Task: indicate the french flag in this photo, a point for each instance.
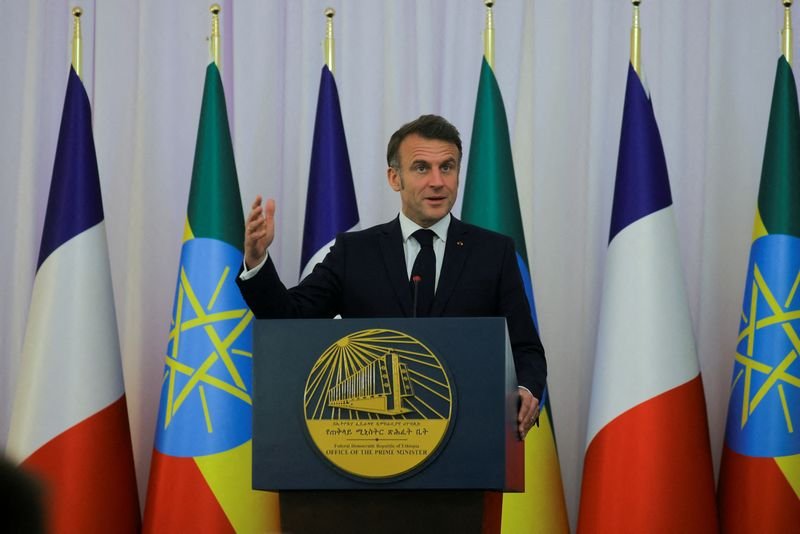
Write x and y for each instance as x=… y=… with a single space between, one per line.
x=69 y=424
x=331 y=199
x=648 y=465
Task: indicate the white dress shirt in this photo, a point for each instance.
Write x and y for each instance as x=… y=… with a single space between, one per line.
x=411 y=247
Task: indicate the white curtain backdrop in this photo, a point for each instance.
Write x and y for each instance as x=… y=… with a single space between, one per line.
x=561 y=66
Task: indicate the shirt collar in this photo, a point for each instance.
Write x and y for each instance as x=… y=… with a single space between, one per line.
x=408 y=227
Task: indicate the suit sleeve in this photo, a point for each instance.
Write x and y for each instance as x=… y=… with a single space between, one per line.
x=529 y=359
x=318 y=296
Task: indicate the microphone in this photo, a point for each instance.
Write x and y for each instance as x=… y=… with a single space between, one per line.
x=415 y=279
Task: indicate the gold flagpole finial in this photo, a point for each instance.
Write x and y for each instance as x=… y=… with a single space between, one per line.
x=636 y=39
x=786 y=33
x=76 y=39
x=328 y=43
x=215 y=55
x=488 y=34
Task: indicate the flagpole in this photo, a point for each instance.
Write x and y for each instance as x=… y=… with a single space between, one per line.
x=488 y=34
x=328 y=43
x=215 y=55
x=786 y=33
x=636 y=39
x=76 y=39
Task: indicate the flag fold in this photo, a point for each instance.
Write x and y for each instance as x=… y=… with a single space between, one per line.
x=491 y=201
x=647 y=466
x=69 y=422
x=331 y=199
x=200 y=476
x=759 y=486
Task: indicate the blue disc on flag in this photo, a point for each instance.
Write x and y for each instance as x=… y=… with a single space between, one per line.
x=764 y=409
x=207 y=385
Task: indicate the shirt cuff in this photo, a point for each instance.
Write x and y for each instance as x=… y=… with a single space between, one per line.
x=247 y=274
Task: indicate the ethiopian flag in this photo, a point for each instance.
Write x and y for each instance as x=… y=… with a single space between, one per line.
x=759 y=486
x=491 y=201
x=200 y=477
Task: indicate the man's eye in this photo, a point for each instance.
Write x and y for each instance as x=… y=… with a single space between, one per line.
x=420 y=168
x=446 y=168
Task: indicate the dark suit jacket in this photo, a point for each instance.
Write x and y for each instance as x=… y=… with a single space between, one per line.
x=364 y=275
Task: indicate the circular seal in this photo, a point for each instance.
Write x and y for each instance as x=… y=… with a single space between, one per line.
x=378 y=404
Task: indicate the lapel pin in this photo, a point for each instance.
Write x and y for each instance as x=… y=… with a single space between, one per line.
x=460 y=243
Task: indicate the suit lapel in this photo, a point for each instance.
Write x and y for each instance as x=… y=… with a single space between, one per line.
x=455 y=253
x=391 y=242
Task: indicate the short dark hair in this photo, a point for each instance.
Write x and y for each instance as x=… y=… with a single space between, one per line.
x=427 y=126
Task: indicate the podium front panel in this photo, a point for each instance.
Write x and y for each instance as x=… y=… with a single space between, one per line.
x=344 y=404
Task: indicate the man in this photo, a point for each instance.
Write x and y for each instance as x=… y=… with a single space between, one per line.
x=376 y=272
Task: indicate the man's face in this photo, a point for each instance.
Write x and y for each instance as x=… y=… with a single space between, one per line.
x=427 y=178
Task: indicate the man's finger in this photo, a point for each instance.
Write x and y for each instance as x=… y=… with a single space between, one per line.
x=255 y=214
x=526 y=405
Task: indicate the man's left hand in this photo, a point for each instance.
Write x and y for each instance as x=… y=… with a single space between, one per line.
x=528 y=411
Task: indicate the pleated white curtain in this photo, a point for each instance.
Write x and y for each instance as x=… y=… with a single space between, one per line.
x=561 y=67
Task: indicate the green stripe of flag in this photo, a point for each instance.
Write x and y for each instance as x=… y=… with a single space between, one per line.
x=215 y=206
x=490 y=191
x=779 y=193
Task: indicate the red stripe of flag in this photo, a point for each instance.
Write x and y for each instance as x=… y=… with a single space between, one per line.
x=637 y=467
x=87 y=464
x=174 y=482
x=755 y=495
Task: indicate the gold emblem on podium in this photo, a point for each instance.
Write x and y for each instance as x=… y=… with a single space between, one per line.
x=378 y=403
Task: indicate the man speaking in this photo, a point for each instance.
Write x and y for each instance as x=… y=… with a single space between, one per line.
x=423 y=263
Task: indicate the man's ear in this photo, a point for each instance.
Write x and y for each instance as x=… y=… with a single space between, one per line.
x=393 y=177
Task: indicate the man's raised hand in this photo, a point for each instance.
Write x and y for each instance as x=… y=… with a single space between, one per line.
x=259 y=231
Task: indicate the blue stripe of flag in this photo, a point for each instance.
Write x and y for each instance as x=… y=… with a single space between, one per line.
x=74 y=204
x=642 y=185
x=528 y=283
x=331 y=202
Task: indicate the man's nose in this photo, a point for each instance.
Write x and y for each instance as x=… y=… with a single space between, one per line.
x=437 y=179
